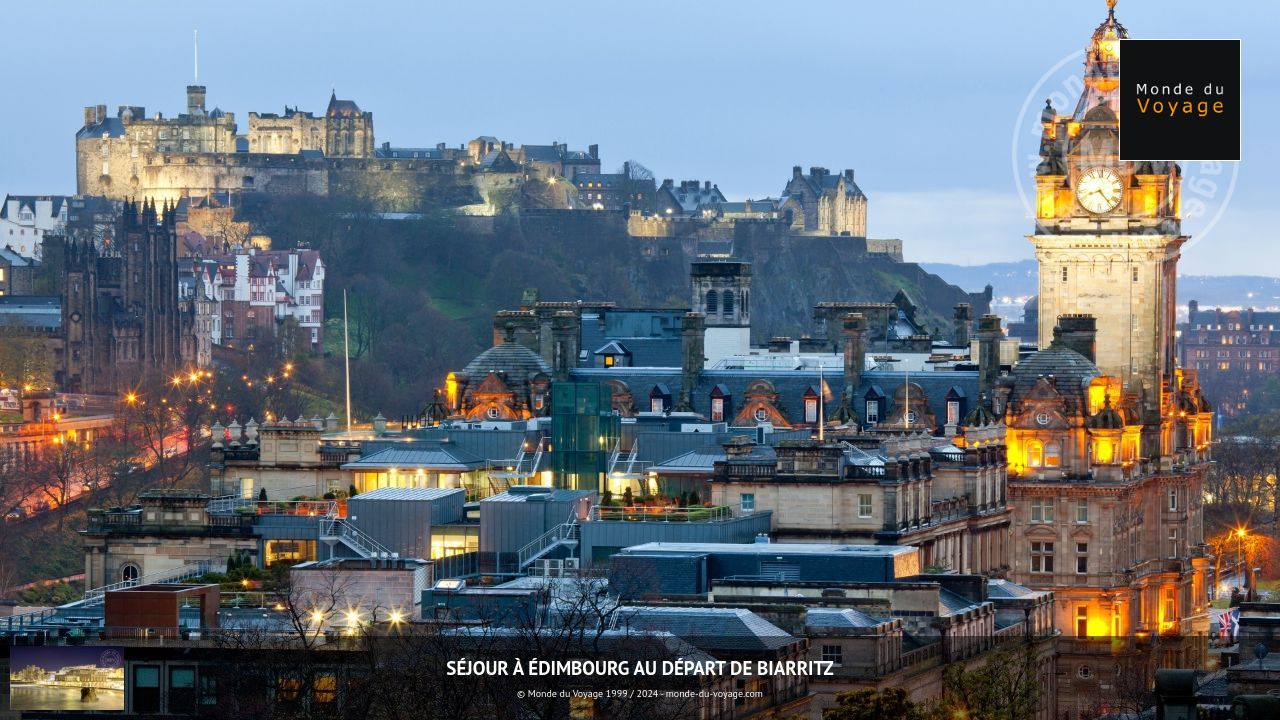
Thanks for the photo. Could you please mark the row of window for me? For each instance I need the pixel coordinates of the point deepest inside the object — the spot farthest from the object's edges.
(1134, 274)
(1042, 557)
(1262, 366)
(1042, 509)
(865, 504)
(1227, 353)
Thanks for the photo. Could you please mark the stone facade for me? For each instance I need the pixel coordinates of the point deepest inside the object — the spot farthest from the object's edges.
(1108, 441)
(1231, 351)
(121, 315)
(825, 204)
(169, 529)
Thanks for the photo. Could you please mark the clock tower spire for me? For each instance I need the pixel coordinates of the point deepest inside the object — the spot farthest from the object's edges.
(1108, 233)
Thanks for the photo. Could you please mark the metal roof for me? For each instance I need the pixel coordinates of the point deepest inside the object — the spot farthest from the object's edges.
(408, 493)
(428, 456)
(708, 628)
(840, 617)
(772, 549)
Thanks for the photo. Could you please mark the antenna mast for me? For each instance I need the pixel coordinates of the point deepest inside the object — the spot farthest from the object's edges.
(195, 50)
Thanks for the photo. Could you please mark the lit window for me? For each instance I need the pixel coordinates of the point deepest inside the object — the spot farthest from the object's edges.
(1082, 621)
(953, 412)
(1035, 454)
(1052, 455)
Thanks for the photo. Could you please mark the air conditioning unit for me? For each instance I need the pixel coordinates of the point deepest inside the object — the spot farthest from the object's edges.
(549, 568)
(571, 563)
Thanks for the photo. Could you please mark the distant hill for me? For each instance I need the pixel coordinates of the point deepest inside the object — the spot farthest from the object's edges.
(1019, 279)
(423, 290)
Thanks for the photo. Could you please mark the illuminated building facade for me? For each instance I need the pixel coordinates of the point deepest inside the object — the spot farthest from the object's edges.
(1108, 440)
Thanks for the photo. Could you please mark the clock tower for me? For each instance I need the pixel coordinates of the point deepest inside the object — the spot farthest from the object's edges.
(1107, 232)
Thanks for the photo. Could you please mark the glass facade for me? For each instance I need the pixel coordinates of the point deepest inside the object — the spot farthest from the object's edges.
(584, 434)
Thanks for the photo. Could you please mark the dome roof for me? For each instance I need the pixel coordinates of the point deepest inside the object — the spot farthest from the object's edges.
(515, 363)
(1071, 373)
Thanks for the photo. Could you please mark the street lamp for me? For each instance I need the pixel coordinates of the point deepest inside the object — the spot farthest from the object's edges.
(1240, 556)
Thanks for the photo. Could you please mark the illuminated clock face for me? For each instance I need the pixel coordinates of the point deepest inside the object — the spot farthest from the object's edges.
(1099, 190)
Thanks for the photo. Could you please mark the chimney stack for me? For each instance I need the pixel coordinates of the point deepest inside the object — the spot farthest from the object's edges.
(564, 338)
(1079, 333)
(960, 322)
(854, 330)
(693, 357)
(989, 336)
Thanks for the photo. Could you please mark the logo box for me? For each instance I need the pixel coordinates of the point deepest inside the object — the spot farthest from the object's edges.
(1179, 99)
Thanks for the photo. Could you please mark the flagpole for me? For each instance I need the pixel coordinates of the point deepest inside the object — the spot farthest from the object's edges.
(346, 355)
(822, 389)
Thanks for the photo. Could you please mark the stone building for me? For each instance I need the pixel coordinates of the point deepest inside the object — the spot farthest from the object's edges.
(111, 152)
(17, 273)
(120, 306)
(1108, 440)
(825, 204)
(164, 532)
(1231, 351)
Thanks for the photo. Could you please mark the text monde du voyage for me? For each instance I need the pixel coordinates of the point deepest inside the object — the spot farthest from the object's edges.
(1180, 99)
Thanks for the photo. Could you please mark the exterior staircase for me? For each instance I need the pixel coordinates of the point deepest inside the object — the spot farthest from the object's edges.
(95, 596)
(565, 535)
(334, 530)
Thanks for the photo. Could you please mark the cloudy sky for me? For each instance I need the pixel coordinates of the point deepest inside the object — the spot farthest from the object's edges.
(922, 99)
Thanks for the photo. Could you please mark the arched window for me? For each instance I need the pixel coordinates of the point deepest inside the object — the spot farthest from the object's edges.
(728, 302)
(129, 572)
(1035, 454)
(712, 302)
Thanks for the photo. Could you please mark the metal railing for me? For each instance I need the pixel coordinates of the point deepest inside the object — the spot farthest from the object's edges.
(563, 532)
(332, 526)
(186, 572)
(95, 596)
(662, 513)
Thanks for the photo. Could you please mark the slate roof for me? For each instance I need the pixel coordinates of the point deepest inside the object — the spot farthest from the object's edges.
(341, 108)
(541, 153)
(398, 152)
(789, 384)
(1214, 316)
(29, 201)
(426, 455)
(1071, 372)
(709, 629)
(13, 259)
(514, 363)
(1003, 589)
(839, 618)
(702, 460)
(31, 311)
(953, 603)
(112, 126)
